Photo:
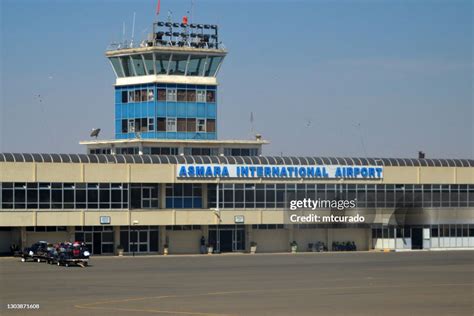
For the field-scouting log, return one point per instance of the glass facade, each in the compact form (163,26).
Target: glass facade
(21,195)
(166,64)
(366,195)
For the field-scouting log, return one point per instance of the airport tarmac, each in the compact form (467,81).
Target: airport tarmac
(358,283)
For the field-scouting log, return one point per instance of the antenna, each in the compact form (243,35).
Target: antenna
(133,29)
(361,140)
(123,33)
(191,15)
(252,127)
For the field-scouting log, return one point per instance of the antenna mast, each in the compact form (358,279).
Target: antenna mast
(133,29)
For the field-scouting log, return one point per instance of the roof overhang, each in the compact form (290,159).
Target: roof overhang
(138,141)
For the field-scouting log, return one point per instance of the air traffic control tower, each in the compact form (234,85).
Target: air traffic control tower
(166,95)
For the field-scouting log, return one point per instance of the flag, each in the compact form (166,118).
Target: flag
(158,5)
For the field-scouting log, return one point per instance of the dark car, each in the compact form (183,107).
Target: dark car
(37,252)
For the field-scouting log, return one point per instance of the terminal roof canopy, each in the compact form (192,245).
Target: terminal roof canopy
(255,160)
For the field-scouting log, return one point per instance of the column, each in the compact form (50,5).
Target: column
(248,237)
(329,236)
(162,193)
(291,235)
(71,231)
(116,238)
(162,240)
(204,196)
(24,242)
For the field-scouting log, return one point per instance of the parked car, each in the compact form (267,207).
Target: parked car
(37,252)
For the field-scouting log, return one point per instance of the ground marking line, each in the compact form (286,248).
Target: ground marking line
(91,305)
(152,311)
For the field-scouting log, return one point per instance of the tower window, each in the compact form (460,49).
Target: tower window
(201,95)
(151,95)
(171,95)
(201,125)
(191,124)
(131,126)
(181,125)
(161,124)
(181,95)
(151,124)
(161,94)
(124,96)
(211,125)
(191,96)
(211,96)
(171,124)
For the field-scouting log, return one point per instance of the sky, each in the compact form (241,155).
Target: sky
(322,78)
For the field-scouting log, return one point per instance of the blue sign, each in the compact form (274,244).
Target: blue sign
(279,171)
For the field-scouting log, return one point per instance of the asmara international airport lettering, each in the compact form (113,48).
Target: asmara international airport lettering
(259,171)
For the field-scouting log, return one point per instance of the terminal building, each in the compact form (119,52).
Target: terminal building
(168,182)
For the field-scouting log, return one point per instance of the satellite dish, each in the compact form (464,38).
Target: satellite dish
(95,132)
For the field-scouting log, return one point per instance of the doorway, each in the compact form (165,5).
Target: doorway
(417,238)
(227,238)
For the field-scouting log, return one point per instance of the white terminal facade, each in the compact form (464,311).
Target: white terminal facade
(167,181)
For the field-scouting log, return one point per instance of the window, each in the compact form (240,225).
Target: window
(201,125)
(161,124)
(161,94)
(131,126)
(131,96)
(151,95)
(138,64)
(171,95)
(191,124)
(211,125)
(151,124)
(124,96)
(201,95)
(183,196)
(191,96)
(181,125)
(171,124)
(211,96)
(149,63)
(181,95)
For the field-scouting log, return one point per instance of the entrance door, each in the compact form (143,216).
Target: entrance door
(97,245)
(226,240)
(417,238)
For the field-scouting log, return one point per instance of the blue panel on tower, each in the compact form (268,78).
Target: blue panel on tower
(211,135)
(191,110)
(171,109)
(151,109)
(181,109)
(171,135)
(211,110)
(181,135)
(129,110)
(118,111)
(161,134)
(161,109)
(201,110)
(118,96)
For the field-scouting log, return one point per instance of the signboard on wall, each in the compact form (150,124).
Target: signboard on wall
(104,220)
(279,171)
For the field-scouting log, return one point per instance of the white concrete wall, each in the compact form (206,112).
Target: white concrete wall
(271,240)
(357,235)
(310,236)
(452,242)
(184,241)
